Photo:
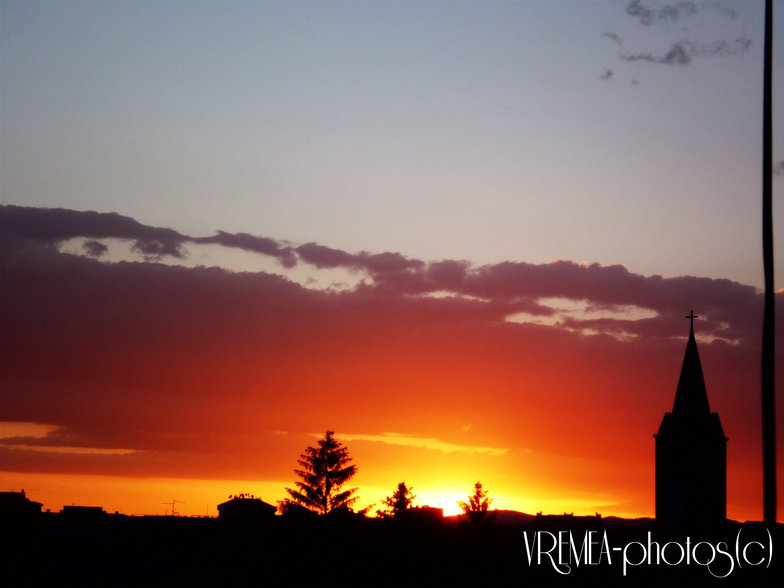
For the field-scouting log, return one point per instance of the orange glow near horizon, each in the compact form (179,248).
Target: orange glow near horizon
(440,469)
(547,420)
(440,474)
(197,497)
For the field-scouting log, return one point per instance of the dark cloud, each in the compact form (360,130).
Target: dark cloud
(189,367)
(778,168)
(386,263)
(54,225)
(155,250)
(325,257)
(264,245)
(449,275)
(607,75)
(614,285)
(94,248)
(507,285)
(380,265)
(58,224)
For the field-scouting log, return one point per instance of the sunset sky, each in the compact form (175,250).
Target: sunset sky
(463,235)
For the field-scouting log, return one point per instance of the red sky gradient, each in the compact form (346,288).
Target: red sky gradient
(153,381)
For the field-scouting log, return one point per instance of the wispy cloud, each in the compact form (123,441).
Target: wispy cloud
(66,449)
(684,52)
(668,13)
(39,437)
(423,443)
(22,429)
(694,21)
(614,38)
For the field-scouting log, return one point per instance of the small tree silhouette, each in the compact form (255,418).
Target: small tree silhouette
(476,509)
(401,500)
(325,469)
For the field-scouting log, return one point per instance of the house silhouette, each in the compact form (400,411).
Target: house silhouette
(245,508)
(16,507)
(691,455)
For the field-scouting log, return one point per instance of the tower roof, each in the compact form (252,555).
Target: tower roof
(691,398)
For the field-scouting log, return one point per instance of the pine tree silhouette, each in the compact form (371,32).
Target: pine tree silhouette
(325,468)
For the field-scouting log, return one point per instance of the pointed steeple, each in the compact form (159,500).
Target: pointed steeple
(691,455)
(691,398)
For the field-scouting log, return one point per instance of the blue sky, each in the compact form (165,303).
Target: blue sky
(485,131)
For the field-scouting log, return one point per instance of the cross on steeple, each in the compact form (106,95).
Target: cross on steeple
(692,316)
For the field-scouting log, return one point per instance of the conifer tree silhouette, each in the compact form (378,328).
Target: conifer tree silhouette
(325,468)
(476,509)
(399,502)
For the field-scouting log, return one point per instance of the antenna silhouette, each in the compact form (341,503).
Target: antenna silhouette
(173,503)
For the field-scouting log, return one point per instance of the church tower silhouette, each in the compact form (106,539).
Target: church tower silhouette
(691,455)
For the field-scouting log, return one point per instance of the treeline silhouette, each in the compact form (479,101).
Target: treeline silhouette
(318,539)
(326,467)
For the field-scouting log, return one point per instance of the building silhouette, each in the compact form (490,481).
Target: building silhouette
(691,455)
(245,508)
(422,515)
(83,514)
(16,507)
